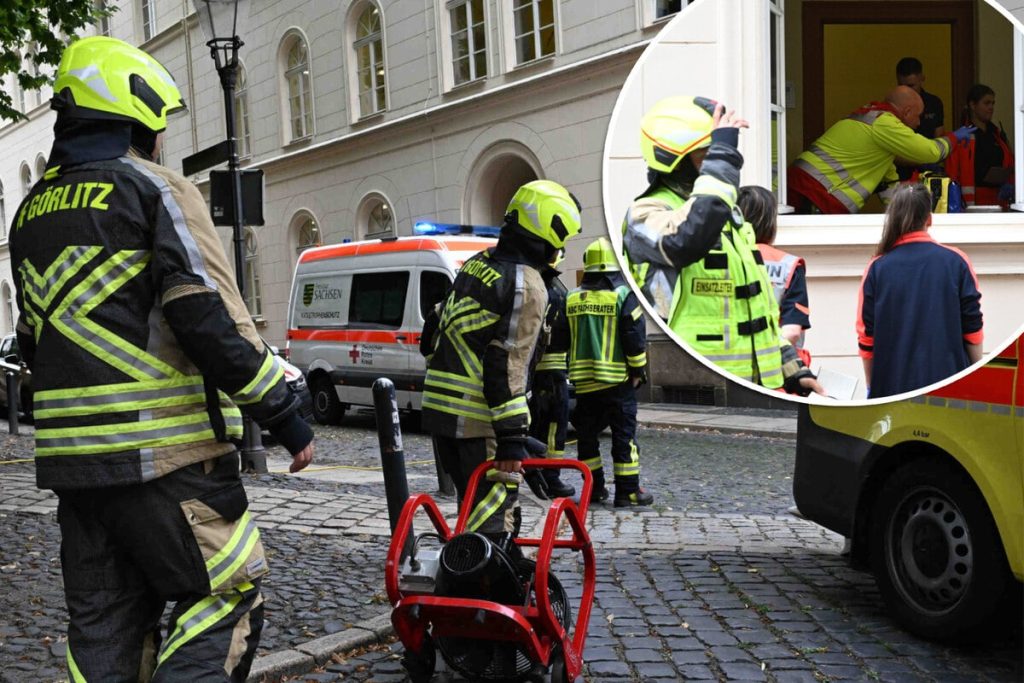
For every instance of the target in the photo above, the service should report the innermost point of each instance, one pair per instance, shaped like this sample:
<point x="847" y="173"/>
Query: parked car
<point x="930" y="490"/>
<point x="11" y="358"/>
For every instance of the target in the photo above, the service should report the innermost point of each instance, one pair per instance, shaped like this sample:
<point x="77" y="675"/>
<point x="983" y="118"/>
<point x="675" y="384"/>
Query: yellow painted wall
<point x="860" y="63"/>
<point x="994" y="68"/>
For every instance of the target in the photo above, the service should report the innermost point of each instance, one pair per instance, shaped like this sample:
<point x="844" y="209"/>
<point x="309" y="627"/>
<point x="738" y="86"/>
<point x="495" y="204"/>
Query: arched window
<point x="26" y="180"/>
<point x="242" y="114"/>
<point x="8" y="303"/>
<point x="299" y="88"/>
<point x="375" y="217"/>
<point x="19" y="92"/>
<point x="253" y="296"/>
<point x="307" y="232"/>
<point x="370" y="69"/>
<point x="40" y="166"/>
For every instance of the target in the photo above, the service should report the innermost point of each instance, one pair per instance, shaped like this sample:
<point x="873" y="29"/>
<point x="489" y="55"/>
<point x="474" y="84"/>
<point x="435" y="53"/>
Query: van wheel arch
<point x="327" y="407"/>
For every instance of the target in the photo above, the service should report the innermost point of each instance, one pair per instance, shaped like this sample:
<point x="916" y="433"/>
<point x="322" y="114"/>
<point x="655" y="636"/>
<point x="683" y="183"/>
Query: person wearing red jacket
<point x="976" y="164"/>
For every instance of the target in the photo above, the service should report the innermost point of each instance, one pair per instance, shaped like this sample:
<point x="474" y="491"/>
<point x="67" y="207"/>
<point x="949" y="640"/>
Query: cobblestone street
<point x="717" y="582"/>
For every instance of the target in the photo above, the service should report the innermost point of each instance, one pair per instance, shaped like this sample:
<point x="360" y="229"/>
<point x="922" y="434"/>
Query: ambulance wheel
<point x="559" y="671"/>
<point x="936" y="554"/>
<point x="420" y="666"/>
<point x="327" y="407"/>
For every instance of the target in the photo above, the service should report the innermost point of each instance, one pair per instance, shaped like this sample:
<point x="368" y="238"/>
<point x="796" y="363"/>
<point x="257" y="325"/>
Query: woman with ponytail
<point x="919" y="318"/>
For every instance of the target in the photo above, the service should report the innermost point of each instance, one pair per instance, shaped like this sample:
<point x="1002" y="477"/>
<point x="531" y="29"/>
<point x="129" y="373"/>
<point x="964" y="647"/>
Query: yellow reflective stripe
<point x="637" y="313"/>
<point x="593" y="464"/>
<point x="120" y="387"/>
<point x="76" y="675"/>
<point x="269" y="374"/>
<point x="637" y="361"/>
<point x="431" y="382"/>
<point x="68" y="267"/>
<point x="447" y="404"/>
<point x="200" y="617"/>
<point x="709" y="185"/>
<point x="121" y="427"/>
<point x="246" y="536"/>
<point x="487" y="507"/>
<point x="151" y="442"/>
<point x="516" y="406"/>
<point x="119" y="407"/>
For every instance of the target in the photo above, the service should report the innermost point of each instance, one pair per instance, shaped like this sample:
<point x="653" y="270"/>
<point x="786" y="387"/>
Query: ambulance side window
<point x="433" y="286"/>
<point x="378" y="299"/>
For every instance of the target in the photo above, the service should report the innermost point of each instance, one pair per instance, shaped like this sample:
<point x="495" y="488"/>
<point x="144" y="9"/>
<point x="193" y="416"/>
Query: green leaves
<point x="33" y="34"/>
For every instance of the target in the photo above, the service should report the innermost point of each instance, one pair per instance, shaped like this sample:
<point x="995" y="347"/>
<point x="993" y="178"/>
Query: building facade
<point x="368" y="116"/>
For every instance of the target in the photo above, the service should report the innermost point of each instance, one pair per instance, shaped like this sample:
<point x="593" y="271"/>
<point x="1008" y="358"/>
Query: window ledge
<point x="375" y="116"/>
<point x="468" y="86"/>
<point x="525" y="66"/>
<point x="259" y="321"/>
<point x="298" y="142"/>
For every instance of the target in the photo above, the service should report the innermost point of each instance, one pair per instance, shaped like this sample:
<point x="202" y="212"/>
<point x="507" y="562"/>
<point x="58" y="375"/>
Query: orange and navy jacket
<point x="919" y="305"/>
<point x="961" y="163"/>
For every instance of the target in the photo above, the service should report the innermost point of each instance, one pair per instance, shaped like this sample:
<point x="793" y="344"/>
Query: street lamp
<point x="218" y="20"/>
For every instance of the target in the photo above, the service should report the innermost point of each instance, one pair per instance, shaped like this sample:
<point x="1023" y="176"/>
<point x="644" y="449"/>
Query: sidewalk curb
<point x="305" y="657"/>
<point x="712" y="428"/>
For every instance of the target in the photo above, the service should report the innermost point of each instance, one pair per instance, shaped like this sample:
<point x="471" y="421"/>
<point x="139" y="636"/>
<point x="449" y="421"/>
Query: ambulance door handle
<point x="400" y="337"/>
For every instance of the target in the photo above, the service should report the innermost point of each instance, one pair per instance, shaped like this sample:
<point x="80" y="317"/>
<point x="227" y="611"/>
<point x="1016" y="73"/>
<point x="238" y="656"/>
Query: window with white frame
<point x="299" y="87"/>
<point x="242" y="114"/>
<point x="777" y="97"/>
<point x="376" y="217"/>
<point x="469" y="40"/>
<point x="656" y="10"/>
<point x="18" y="98"/>
<point x="147" y="11"/>
<point x="533" y="27"/>
<point x="3" y="214"/>
<point x="370" y="69"/>
<point x="40" y="166"/>
<point x="26" y="180"/>
<point x="307" y="232"/>
<point x="103" y="25"/>
<point x="32" y="69"/>
<point x="253" y="296"/>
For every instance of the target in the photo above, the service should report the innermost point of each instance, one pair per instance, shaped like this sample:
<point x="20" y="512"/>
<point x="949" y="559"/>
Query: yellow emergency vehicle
<point x="931" y="492"/>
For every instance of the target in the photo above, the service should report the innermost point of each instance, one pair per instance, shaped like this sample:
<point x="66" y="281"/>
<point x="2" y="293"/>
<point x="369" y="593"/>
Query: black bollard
<point x="12" y="400"/>
<point x="444" y="480"/>
<point x="392" y="457"/>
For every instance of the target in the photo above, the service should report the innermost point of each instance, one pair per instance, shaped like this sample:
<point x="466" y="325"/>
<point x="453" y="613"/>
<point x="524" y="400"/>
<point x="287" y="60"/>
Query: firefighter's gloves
<point x="729" y="136"/>
<point x="638" y="378"/>
<point x="519" y="449"/>
<point x="964" y="133"/>
<point x="803" y="383"/>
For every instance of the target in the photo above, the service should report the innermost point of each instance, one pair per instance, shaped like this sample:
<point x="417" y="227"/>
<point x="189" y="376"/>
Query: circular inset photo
<point x="819" y="199"/>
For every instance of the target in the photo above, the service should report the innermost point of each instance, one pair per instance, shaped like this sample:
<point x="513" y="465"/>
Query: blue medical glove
<point x="963" y="133"/>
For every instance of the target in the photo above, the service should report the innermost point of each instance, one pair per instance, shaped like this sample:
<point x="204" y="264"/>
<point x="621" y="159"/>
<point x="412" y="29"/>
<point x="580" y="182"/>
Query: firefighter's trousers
<point x="496" y="504"/>
<point x="614" y="407"/>
<point x="126" y="552"/>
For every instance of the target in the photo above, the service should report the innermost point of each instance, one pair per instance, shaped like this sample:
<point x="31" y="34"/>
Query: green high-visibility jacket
<point x="607" y="334"/>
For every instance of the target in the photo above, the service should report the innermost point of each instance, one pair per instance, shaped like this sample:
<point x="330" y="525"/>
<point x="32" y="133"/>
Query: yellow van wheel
<point x="936" y="555"/>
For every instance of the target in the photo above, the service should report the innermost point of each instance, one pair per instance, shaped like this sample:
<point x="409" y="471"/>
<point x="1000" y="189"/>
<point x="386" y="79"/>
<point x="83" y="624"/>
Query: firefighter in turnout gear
<point x="549" y="388"/>
<point x="693" y="254"/>
<point x="142" y="353"/>
<point x="607" y="362"/>
<point x="474" y="395"/>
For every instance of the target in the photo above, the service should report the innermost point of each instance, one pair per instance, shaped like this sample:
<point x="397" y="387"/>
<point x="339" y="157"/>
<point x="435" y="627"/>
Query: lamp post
<point x="218" y="20"/>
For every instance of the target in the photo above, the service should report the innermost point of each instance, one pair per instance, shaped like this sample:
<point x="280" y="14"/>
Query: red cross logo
<point x="354" y="354"/>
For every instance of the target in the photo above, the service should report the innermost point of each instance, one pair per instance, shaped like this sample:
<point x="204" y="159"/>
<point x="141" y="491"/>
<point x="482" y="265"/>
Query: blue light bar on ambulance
<point x="435" y="229"/>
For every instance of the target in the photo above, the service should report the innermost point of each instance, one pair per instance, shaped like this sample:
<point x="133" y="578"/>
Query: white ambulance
<point x="356" y="312"/>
